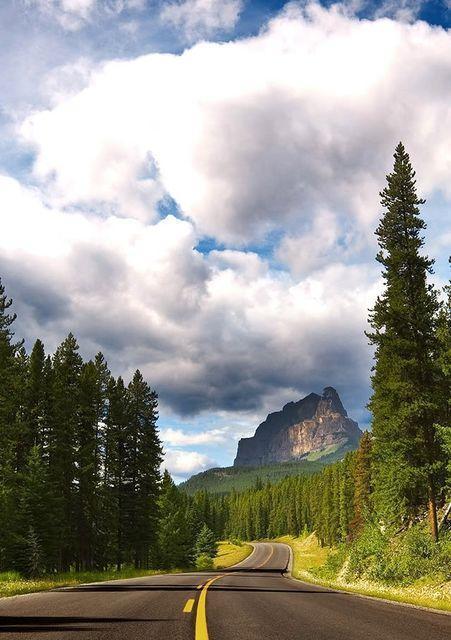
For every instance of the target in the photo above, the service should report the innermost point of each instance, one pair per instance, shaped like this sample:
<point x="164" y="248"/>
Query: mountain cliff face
<point x="313" y="427"/>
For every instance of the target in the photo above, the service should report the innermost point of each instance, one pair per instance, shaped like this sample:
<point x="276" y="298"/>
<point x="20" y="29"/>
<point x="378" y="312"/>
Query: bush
<point x="204" y="562"/>
<point x="335" y="560"/>
<point x="367" y="551"/>
<point x="400" y="559"/>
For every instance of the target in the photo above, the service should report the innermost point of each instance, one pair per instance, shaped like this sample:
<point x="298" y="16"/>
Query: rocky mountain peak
<point x="330" y="403"/>
<point x="313" y="427"/>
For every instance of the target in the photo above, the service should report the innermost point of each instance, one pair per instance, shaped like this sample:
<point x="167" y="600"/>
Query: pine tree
<point x="89" y="444"/>
<point x="404" y="403"/>
<point x="174" y="536"/>
<point x="116" y="464"/>
<point x="65" y="418"/>
<point x="362" y="484"/>
<point x="145" y="460"/>
<point x="9" y="405"/>
<point x="206" y="543"/>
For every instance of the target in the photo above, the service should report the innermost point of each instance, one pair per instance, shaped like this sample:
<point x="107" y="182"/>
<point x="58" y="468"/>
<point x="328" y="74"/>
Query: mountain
<point x="310" y="429"/>
<point x="298" y="440"/>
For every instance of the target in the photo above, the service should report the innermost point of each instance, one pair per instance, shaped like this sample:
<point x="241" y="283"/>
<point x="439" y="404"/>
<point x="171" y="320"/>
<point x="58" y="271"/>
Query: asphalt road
<point x="251" y="601"/>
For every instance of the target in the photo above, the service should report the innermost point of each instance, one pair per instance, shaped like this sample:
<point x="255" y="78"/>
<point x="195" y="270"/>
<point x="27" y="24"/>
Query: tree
<point x="403" y="320"/>
<point x="362" y="484"/>
<point x="67" y="365"/>
<point x="206" y="543"/>
<point x="144" y="472"/>
<point x="9" y="387"/>
<point x="174" y="535"/>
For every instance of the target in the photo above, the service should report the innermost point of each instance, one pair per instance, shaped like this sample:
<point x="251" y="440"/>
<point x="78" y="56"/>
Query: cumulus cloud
<point x="261" y="133"/>
<point x="196" y="19"/>
<point x="178" y="437"/>
<point x="289" y="131"/>
<point x="215" y="332"/>
<point x="185" y="463"/>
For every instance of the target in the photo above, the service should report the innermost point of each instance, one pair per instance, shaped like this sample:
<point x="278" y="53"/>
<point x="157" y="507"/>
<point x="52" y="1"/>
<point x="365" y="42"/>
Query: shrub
<point x="204" y="562"/>
<point x="333" y="564"/>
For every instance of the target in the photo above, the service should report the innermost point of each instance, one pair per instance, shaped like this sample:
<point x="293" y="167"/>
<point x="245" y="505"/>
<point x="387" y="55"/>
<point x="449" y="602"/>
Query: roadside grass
<point x="230" y="553"/>
<point x="13" y="584"/>
<point x="309" y="557"/>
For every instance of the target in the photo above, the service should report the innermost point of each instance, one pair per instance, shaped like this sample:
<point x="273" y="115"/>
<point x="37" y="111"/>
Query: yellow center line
<point x="199" y="586"/>
<point x="188" y="606"/>
<point x="267" y="559"/>
<point x="201" y="632"/>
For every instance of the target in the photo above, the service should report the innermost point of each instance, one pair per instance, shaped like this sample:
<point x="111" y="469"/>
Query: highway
<point x="253" y="600"/>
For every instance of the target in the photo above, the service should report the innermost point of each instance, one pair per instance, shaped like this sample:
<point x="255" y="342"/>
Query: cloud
<point x="210" y="332"/>
<point x="403" y="10"/>
<point x="196" y="19"/>
<point x="291" y="132"/>
<point x="185" y="463"/>
<point x="257" y="134"/>
<point x="177" y="437"/>
<point x="72" y="15"/>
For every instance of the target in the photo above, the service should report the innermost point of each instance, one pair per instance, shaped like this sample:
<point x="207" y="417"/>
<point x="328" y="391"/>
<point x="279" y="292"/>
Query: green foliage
<point x="79" y="461"/>
<point x="398" y="559"/>
<point x="227" y="479"/>
<point x="206" y="543"/>
<point x="204" y="562"/>
<point x="407" y="381"/>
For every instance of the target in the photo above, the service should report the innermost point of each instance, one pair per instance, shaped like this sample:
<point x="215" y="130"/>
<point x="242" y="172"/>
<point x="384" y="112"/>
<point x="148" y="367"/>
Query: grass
<point x="12" y="584"/>
<point x="230" y="553"/>
<point x="308" y="556"/>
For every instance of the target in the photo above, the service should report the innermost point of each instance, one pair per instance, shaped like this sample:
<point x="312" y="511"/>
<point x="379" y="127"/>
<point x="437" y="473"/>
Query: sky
<point x="191" y="187"/>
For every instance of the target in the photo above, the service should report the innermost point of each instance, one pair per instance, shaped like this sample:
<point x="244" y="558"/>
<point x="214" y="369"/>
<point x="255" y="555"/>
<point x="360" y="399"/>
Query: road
<point x="251" y="601"/>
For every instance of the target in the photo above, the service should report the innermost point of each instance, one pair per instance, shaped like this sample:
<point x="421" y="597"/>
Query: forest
<point x="80" y="456"/>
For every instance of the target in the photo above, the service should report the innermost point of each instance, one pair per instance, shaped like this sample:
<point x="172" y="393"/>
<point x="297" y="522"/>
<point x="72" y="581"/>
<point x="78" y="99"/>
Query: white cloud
<point x="290" y="130"/>
<point x="74" y="14"/>
<point x="185" y="463"/>
<point x="261" y="133"/>
<point x="213" y="332"/>
<point x="402" y="10"/>
<point x="179" y="438"/>
<point x="197" y="19"/>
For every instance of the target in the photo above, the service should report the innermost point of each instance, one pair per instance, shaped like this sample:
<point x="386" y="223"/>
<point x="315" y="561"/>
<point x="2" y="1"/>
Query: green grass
<point x="309" y="556"/>
<point x="12" y="584"/>
<point x="230" y="553"/>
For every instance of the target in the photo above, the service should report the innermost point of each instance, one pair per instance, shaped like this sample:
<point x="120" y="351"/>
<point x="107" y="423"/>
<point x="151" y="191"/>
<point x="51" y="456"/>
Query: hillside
<point x="226" y="479"/>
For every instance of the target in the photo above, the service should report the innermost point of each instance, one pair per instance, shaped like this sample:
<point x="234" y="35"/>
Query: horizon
<point x="194" y="190"/>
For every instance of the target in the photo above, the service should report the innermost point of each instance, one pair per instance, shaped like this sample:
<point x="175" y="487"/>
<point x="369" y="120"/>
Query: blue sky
<point x="192" y="187"/>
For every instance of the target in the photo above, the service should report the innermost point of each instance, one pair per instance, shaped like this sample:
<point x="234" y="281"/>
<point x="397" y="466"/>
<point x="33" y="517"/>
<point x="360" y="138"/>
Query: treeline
<point x="335" y="503"/>
<point x="401" y="472"/>
<point x="79" y="460"/>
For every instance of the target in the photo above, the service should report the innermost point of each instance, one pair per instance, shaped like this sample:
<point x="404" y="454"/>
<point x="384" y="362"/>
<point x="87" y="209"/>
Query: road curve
<point x="250" y="601"/>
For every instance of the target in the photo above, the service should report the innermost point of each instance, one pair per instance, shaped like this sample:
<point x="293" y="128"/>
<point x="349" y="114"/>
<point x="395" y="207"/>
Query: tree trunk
<point x="432" y="510"/>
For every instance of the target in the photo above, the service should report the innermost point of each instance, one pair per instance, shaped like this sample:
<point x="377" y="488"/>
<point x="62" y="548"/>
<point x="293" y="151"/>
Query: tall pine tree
<point x="404" y="400"/>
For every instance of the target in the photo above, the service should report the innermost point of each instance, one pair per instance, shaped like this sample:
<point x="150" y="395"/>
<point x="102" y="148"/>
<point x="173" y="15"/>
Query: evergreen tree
<point x="404" y="402"/>
<point x="362" y="484"/>
<point x="67" y="365"/>
<point x="206" y="543"/>
<point x="116" y="464"/>
<point x="9" y="404"/>
<point x="145" y="460"/>
<point x="174" y="536"/>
